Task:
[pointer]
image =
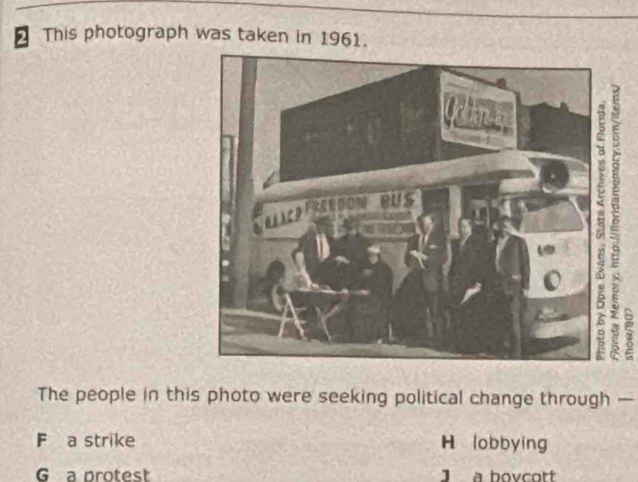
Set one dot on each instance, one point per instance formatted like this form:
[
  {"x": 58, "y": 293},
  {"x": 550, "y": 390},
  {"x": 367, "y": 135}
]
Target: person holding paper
[{"x": 416, "y": 302}]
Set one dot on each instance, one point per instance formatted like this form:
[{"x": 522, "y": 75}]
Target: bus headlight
[
  {"x": 546, "y": 250},
  {"x": 552, "y": 280}
]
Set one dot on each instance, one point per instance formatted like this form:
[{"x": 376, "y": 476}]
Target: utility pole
[
  {"x": 245, "y": 190},
  {"x": 228, "y": 162}
]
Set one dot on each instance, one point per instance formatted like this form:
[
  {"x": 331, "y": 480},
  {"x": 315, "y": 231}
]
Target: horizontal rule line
[{"x": 339, "y": 9}]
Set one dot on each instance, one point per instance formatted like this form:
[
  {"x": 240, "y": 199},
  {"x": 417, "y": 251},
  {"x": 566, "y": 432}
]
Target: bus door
[
  {"x": 437, "y": 201},
  {"x": 480, "y": 204}
]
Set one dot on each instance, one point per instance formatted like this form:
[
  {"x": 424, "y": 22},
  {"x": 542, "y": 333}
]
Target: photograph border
[{"x": 461, "y": 357}]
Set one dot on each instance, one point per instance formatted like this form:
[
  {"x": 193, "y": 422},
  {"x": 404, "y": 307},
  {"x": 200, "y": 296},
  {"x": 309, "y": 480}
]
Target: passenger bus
[{"x": 541, "y": 192}]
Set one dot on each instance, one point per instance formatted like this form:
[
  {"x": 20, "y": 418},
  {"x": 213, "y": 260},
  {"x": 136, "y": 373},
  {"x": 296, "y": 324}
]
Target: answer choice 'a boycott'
[{"x": 140, "y": 34}]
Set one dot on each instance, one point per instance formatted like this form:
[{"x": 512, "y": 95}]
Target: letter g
[{"x": 42, "y": 475}]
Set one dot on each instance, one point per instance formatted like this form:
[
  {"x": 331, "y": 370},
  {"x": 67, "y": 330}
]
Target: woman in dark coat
[
  {"x": 370, "y": 299},
  {"x": 477, "y": 314},
  {"x": 469, "y": 260}
]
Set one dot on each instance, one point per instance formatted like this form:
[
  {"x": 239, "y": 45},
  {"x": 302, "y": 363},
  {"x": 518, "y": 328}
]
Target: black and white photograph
[{"x": 404, "y": 211}]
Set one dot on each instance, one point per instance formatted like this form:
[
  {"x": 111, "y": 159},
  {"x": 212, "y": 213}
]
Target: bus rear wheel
[{"x": 275, "y": 274}]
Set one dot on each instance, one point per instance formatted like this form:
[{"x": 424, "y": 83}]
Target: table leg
[
  {"x": 295, "y": 318},
  {"x": 284, "y": 314},
  {"x": 322, "y": 320}
]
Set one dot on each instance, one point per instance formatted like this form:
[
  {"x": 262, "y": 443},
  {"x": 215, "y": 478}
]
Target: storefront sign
[{"x": 477, "y": 114}]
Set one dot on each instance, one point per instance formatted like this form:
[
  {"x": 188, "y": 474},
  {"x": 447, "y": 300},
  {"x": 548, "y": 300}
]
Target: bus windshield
[{"x": 545, "y": 214}]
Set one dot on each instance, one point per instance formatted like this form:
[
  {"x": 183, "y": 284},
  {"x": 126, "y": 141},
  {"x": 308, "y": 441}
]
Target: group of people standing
[
  {"x": 479, "y": 304},
  {"x": 466, "y": 294}
]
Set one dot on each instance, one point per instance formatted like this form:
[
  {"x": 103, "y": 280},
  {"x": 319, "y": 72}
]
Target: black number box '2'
[{"x": 21, "y": 37}]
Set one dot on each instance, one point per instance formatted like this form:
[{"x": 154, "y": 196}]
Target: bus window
[
  {"x": 544, "y": 215},
  {"x": 437, "y": 201}
]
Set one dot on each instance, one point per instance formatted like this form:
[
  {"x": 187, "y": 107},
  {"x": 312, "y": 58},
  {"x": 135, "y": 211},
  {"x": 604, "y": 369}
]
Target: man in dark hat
[{"x": 350, "y": 254}]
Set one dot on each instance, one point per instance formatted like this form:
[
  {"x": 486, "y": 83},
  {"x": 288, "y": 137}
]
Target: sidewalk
[
  {"x": 249, "y": 332},
  {"x": 253, "y": 332}
]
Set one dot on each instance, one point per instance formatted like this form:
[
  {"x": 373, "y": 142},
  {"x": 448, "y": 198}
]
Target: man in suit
[
  {"x": 511, "y": 262},
  {"x": 313, "y": 255},
  {"x": 425, "y": 254}
]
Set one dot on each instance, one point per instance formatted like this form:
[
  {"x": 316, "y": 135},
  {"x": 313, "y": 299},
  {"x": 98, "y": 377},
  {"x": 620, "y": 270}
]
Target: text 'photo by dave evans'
[{"x": 363, "y": 207}]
